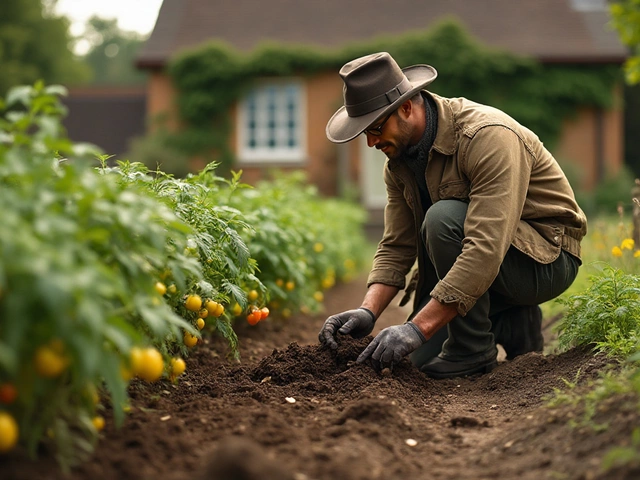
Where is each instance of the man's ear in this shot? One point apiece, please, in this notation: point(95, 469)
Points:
point(406, 108)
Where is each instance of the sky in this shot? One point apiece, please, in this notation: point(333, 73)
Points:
point(133, 15)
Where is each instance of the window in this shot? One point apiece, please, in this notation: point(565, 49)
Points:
point(271, 123)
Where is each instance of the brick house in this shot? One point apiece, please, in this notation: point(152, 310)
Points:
point(552, 31)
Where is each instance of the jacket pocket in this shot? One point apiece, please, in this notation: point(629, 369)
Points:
point(458, 190)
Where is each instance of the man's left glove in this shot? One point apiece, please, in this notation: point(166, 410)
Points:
point(392, 344)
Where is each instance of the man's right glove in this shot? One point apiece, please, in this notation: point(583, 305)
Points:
point(358, 323)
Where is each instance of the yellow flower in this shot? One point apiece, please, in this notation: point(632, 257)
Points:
point(616, 251)
point(636, 254)
point(627, 244)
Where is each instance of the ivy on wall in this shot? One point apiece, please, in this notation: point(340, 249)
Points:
point(211, 78)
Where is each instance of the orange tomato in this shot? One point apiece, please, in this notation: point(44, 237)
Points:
point(8, 393)
point(253, 319)
point(264, 313)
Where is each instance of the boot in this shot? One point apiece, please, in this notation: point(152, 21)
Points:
point(440, 367)
point(519, 330)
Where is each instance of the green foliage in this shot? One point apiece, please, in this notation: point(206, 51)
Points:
point(625, 16)
point(79, 252)
point(112, 53)
point(606, 315)
point(34, 44)
point(211, 78)
point(590, 397)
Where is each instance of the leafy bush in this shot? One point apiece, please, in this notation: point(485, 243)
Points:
point(79, 253)
point(606, 315)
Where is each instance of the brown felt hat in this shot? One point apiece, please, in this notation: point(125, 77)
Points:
point(374, 85)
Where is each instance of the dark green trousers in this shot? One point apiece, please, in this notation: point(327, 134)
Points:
point(521, 282)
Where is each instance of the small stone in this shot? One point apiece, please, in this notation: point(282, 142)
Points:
point(266, 379)
point(290, 400)
point(165, 418)
point(493, 407)
point(509, 444)
point(411, 442)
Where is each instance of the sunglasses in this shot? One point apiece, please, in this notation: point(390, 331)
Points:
point(377, 131)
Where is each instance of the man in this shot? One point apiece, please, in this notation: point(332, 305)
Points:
point(481, 204)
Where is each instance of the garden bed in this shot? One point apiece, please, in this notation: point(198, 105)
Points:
point(228, 420)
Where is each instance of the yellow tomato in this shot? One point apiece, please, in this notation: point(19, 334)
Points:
point(328, 282)
point(136, 359)
point(161, 288)
point(211, 306)
point(318, 296)
point(279, 282)
point(219, 310)
point(237, 309)
point(172, 288)
point(318, 247)
point(189, 340)
point(193, 303)
point(204, 313)
point(286, 313)
point(8, 432)
point(290, 285)
point(98, 422)
point(252, 295)
point(177, 366)
point(151, 365)
point(49, 363)
point(200, 323)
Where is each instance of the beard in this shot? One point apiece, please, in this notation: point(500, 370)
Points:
point(398, 146)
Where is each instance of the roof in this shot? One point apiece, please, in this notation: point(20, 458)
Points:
point(550, 30)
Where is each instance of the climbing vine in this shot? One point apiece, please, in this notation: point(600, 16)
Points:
point(212, 77)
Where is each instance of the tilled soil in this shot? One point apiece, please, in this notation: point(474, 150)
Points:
point(293, 410)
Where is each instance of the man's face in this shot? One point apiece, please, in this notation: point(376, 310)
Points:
point(394, 138)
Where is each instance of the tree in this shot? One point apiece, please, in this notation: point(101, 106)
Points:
point(112, 53)
point(34, 44)
point(625, 16)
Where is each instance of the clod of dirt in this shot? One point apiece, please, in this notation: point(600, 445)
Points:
point(239, 458)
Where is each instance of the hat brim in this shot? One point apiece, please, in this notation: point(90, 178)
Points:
point(342, 128)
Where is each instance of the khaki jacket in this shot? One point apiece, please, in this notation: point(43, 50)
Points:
point(516, 191)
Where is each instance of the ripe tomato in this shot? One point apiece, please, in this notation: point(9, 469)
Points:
point(237, 310)
point(189, 340)
point(200, 323)
point(211, 307)
point(8, 393)
point(253, 319)
point(161, 288)
point(318, 296)
point(219, 310)
point(177, 366)
point(8, 432)
point(279, 282)
point(290, 285)
point(49, 362)
point(193, 303)
point(252, 295)
point(151, 365)
point(98, 422)
point(204, 313)
point(264, 313)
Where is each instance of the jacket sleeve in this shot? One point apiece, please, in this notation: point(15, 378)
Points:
point(498, 165)
point(396, 251)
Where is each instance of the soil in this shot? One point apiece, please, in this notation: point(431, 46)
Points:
point(293, 410)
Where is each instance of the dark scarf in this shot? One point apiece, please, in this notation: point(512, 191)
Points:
point(417, 155)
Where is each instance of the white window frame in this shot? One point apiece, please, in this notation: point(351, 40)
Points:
point(264, 154)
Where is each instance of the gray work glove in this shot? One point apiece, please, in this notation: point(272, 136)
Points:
point(358, 323)
point(392, 344)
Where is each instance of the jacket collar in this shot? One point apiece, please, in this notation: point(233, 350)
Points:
point(446, 136)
